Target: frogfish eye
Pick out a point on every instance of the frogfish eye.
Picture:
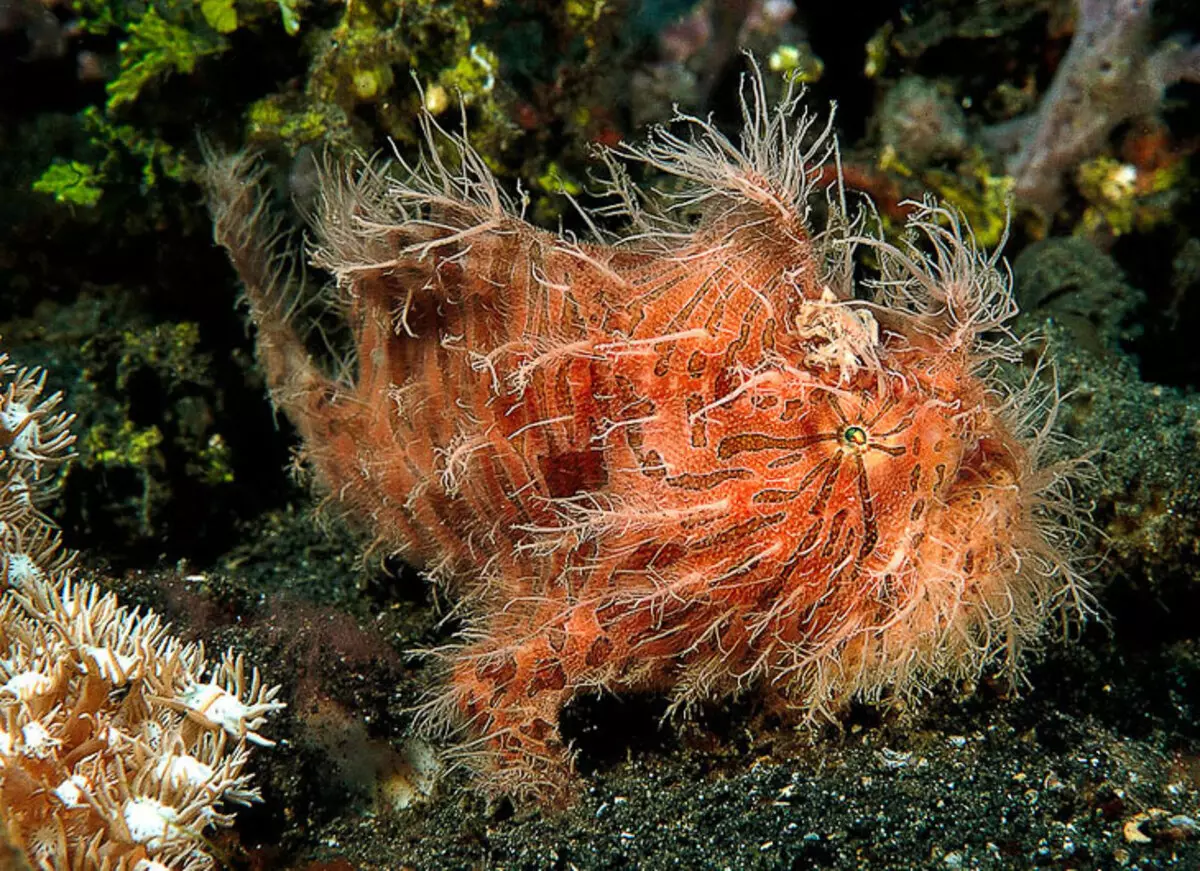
(855, 436)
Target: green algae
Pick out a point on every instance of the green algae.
(155, 47)
(71, 182)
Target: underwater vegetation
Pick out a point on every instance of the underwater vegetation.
(714, 732)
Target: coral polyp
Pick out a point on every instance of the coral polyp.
(108, 758)
(700, 458)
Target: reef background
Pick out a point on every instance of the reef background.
(181, 488)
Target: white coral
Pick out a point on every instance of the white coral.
(151, 774)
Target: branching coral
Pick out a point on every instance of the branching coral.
(119, 743)
(1109, 75)
(694, 459)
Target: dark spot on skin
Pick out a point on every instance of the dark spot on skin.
(497, 671)
(547, 675)
(835, 531)
(599, 652)
(538, 729)
(651, 555)
(773, 496)
(791, 409)
(663, 366)
(651, 464)
(573, 472)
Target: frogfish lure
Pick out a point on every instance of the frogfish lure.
(700, 458)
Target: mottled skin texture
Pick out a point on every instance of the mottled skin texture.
(688, 463)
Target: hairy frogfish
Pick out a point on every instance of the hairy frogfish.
(744, 444)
